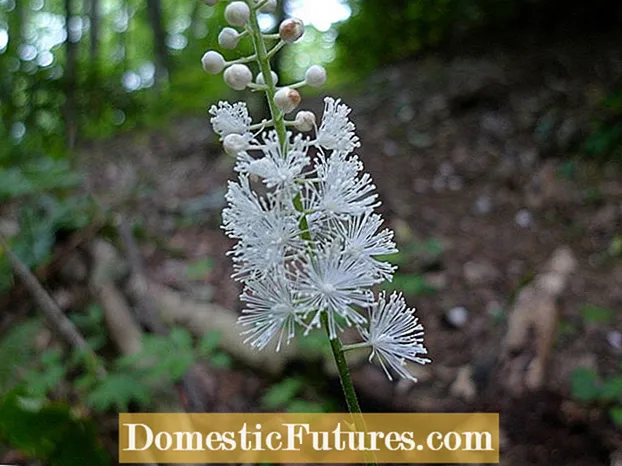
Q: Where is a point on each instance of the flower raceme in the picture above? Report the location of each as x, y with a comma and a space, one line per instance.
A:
309, 244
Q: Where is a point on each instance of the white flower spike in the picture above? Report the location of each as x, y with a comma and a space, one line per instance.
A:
309, 244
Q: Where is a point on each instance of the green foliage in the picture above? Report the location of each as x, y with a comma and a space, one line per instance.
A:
17, 349
39, 222
615, 247
410, 284
588, 387
282, 394
314, 344
116, 391
615, 414
383, 32
585, 385
49, 431
198, 270
596, 315
37, 176
605, 139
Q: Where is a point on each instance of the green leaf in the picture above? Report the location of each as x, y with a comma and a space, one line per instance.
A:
49, 432
162, 357
409, 284
209, 343
303, 406
17, 349
315, 343
615, 414
40, 382
116, 391
221, 360
611, 389
584, 384
281, 394
596, 314
14, 184
198, 270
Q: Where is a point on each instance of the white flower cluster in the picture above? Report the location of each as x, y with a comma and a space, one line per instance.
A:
302, 212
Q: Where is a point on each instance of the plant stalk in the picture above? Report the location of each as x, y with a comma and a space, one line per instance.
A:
263, 59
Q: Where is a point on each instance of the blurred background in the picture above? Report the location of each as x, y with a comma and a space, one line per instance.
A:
493, 131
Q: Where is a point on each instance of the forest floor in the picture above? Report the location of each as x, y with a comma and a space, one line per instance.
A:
471, 158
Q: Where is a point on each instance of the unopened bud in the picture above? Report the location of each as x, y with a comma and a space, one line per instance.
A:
238, 76
237, 14
213, 62
291, 30
305, 121
228, 38
315, 76
268, 7
234, 144
261, 81
287, 99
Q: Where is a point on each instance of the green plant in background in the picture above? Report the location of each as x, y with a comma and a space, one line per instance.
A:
49, 431
162, 361
409, 26
588, 386
596, 315
605, 140
287, 395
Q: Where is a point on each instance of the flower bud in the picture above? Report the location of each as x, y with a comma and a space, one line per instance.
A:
237, 14
211, 2
228, 38
213, 62
315, 76
305, 121
269, 7
234, 144
291, 30
238, 76
260, 80
287, 99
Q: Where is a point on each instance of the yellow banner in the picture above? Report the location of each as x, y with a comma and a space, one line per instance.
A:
308, 438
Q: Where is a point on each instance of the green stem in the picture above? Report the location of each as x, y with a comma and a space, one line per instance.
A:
363, 344
346, 384
278, 119
344, 371
263, 59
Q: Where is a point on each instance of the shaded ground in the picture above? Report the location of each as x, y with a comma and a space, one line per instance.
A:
467, 156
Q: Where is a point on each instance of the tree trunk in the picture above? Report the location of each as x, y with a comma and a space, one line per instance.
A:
154, 10
94, 20
71, 51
